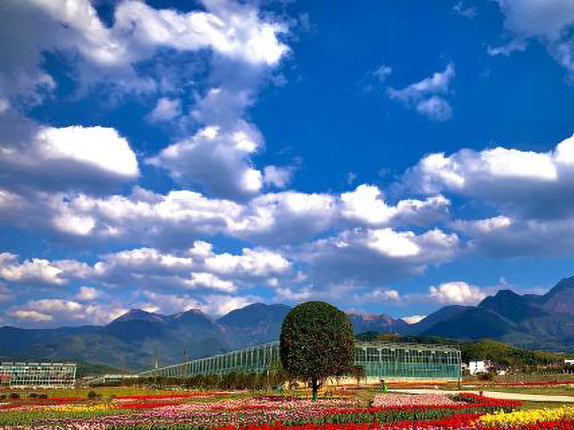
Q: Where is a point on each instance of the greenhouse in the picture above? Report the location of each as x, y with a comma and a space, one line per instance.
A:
381, 360
37, 375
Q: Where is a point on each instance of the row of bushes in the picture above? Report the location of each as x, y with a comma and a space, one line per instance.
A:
17, 396
230, 381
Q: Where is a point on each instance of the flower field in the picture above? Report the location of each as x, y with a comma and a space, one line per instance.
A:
225, 411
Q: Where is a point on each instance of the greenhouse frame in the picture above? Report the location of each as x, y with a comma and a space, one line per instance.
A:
37, 375
381, 360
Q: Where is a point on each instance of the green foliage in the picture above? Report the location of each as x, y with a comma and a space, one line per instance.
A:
316, 342
359, 372
92, 395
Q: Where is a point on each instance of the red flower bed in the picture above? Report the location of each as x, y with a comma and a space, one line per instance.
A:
167, 396
450, 423
145, 405
468, 401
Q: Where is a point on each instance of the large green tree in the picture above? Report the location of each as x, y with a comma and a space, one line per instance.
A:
317, 342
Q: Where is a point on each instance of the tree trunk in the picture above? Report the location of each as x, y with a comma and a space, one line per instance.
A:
314, 388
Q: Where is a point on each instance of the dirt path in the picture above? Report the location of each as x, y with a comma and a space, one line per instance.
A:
498, 395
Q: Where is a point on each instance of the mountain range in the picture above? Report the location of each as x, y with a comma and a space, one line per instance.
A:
137, 338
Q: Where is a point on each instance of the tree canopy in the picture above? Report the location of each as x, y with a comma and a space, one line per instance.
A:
317, 342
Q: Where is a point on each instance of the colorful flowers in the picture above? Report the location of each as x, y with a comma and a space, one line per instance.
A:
526, 417
192, 411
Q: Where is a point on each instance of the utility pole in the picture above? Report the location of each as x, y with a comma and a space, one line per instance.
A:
185, 360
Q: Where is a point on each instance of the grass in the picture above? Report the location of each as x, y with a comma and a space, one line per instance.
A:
543, 405
83, 392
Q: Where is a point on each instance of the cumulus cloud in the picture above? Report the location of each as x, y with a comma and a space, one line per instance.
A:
197, 268
536, 184
62, 311
69, 158
460, 293
367, 205
378, 295
229, 29
38, 270
376, 256
427, 97
530, 193
548, 21
178, 218
245, 46
216, 159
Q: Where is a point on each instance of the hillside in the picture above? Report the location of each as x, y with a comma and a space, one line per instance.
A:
535, 321
130, 341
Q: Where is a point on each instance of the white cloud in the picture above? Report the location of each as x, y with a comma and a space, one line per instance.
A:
62, 311
549, 21
196, 268
459, 292
366, 205
436, 108
383, 72
427, 96
210, 281
251, 263
54, 305
23, 314
215, 304
378, 295
279, 177
538, 18
375, 256
217, 160
466, 11
234, 31
515, 45
32, 270
88, 294
536, 184
245, 44
166, 109
413, 319
178, 218
68, 158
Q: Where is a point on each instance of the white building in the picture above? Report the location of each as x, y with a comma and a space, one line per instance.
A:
37, 375
475, 367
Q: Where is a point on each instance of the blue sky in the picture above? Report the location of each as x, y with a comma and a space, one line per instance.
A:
385, 156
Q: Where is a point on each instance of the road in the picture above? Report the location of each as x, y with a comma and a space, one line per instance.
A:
496, 395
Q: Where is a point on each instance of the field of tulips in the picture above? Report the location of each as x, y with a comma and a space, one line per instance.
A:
224, 411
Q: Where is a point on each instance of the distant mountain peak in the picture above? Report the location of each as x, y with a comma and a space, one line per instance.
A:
139, 314
561, 286
190, 315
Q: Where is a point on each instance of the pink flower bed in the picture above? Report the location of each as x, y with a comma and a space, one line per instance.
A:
408, 400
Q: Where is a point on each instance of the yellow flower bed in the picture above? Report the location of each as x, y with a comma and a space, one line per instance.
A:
525, 417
